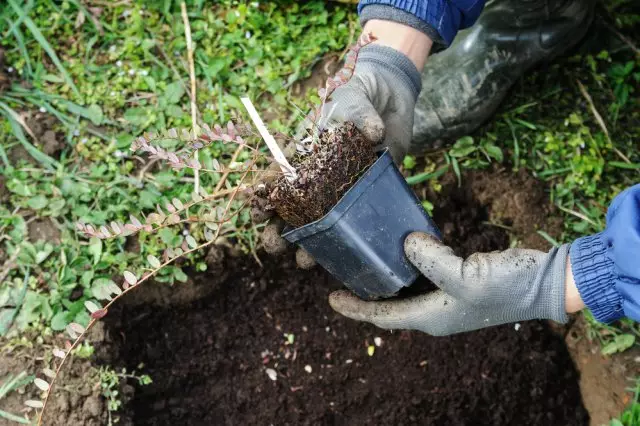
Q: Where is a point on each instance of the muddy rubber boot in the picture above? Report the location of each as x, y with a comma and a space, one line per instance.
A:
463, 85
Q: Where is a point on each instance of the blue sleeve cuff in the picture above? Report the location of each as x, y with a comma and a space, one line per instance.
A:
595, 277
446, 17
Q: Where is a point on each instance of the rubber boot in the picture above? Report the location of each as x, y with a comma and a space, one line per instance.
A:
463, 85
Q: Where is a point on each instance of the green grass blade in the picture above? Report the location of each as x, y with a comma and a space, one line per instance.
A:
423, 177
14, 418
39, 156
549, 238
15, 29
622, 165
35, 31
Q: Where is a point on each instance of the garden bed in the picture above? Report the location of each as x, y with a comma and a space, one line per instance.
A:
209, 358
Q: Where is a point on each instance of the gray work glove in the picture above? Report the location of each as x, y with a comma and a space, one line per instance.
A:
379, 98
483, 290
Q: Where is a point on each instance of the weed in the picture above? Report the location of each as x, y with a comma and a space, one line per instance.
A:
12, 383
631, 415
110, 382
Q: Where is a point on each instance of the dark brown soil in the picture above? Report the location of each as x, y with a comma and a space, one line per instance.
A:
325, 174
209, 359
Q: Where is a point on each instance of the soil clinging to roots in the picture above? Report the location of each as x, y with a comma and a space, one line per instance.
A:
338, 159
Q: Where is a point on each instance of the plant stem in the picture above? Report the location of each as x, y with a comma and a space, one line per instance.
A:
192, 79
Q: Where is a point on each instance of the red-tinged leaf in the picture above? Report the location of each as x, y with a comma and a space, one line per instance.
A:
152, 149
173, 158
105, 231
41, 384
116, 228
130, 277
168, 254
130, 227
68, 345
194, 164
80, 226
177, 203
152, 218
49, 373
99, 313
170, 208
239, 140
173, 219
125, 285
34, 404
59, 353
184, 246
148, 228
135, 222
226, 138
322, 92
89, 229
231, 129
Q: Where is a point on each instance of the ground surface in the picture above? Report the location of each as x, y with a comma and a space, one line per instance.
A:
209, 358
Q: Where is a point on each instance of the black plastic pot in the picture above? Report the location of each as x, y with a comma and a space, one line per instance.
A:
361, 240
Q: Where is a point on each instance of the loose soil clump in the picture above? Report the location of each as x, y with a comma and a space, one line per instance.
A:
264, 347
325, 174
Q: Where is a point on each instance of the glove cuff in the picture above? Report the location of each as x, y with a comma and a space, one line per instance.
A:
593, 272
394, 62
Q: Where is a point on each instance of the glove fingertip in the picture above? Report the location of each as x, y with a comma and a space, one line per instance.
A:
344, 302
372, 128
420, 241
304, 260
272, 242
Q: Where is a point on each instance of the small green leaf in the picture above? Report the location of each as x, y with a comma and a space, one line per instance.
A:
179, 275
153, 261
409, 162
95, 249
620, 343
174, 92
494, 152
60, 321
191, 242
38, 202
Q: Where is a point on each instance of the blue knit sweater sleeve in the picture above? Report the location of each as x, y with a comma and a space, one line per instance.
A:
606, 266
439, 18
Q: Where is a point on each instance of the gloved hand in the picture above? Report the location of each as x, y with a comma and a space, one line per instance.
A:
483, 290
379, 98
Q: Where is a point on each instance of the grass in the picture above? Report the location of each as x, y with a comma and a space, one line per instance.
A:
100, 77
130, 72
631, 415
